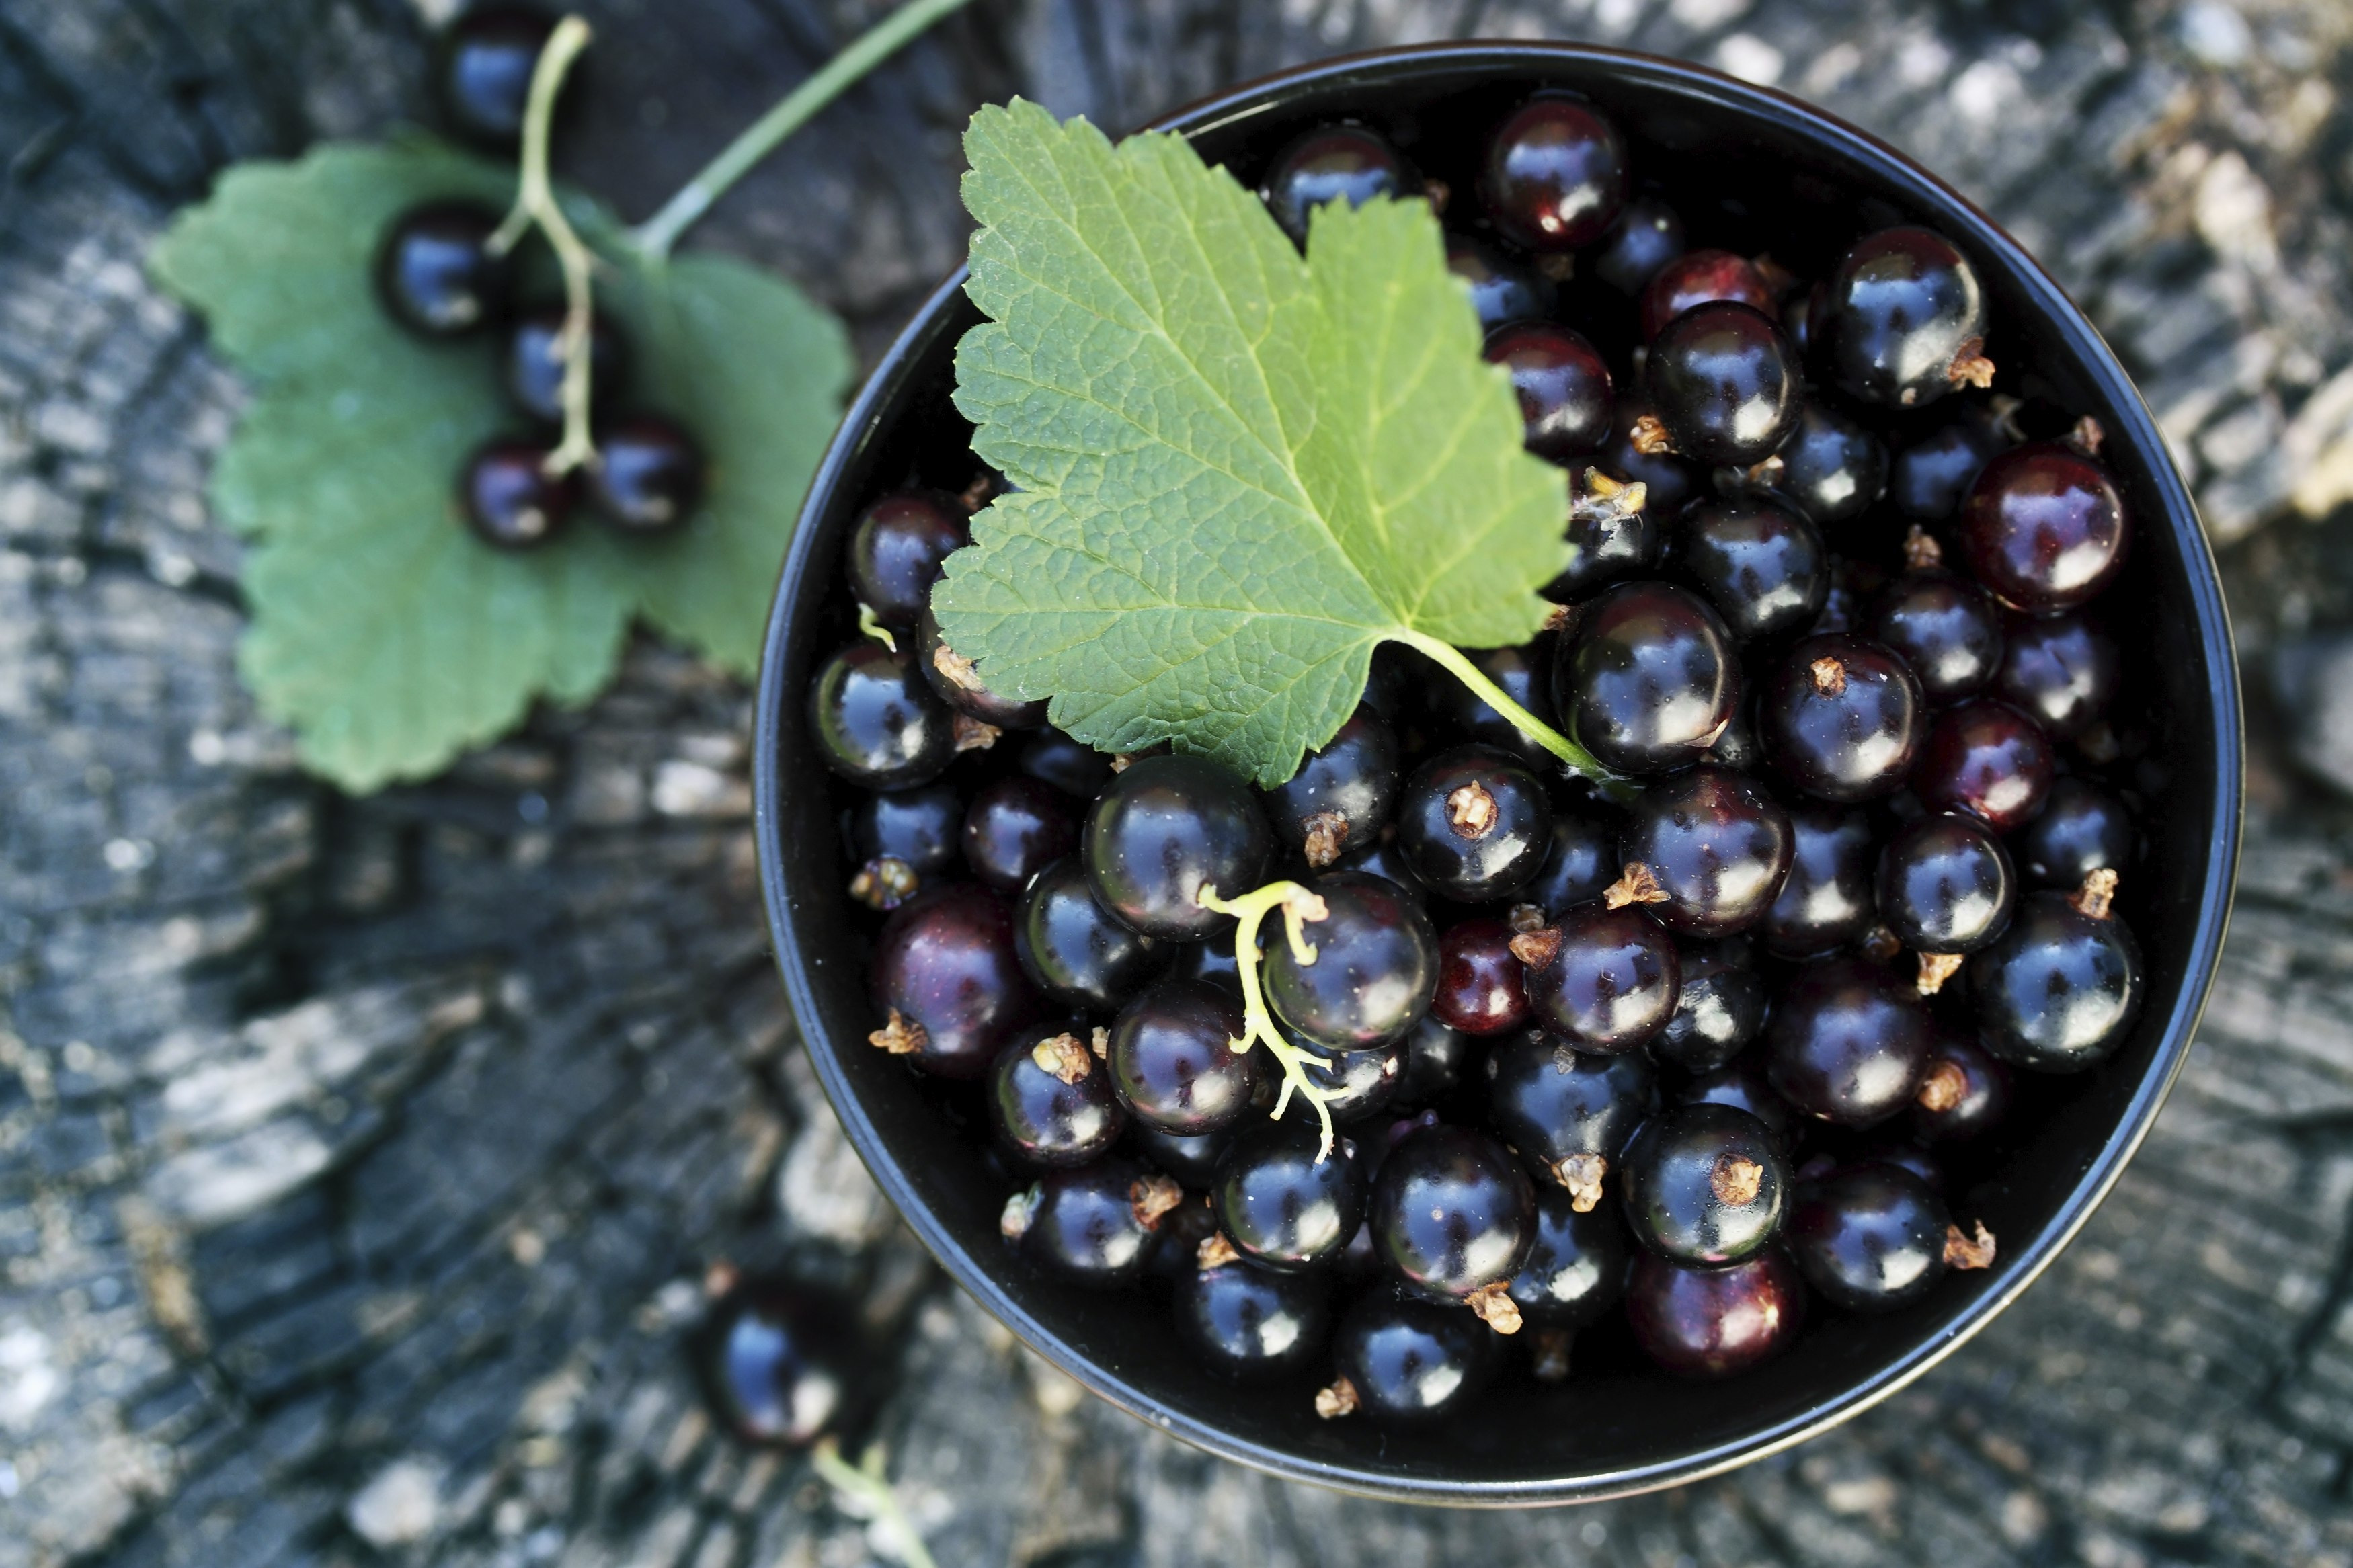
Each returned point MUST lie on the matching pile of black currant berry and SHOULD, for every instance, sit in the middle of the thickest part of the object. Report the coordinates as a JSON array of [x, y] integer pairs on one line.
[[1708, 1055], [440, 274]]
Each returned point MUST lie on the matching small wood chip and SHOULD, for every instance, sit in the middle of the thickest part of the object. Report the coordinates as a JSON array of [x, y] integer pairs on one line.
[[1492, 1305], [1326, 835], [958, 670], [1151, 1198], [884, 883], [1649, 436], [1471, 812], [901, 1035], [1215, 1251], [1921, 551], [1552, 1355], [1536, 948], [1559, 266], [1101, 1040], [1013, 1220], [1830, 676], [1065, 1056], [2087, 437], [1735, 1180], [971, 735], [1337, 1401], [1968, 1251], [1525, 918], [1582, 1174], [1970, 368], [1637, 886], [2099, 890], [1936, 968], [1944, 1087], [1881, 944]]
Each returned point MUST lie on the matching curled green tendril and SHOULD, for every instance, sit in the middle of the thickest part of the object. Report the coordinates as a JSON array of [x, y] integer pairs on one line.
[[1298, 905], [874, 628]]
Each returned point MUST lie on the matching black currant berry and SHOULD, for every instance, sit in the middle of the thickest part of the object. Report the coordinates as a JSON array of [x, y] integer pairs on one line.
[[1171, 1060], [1580, 865], [1828, 899], [1554, 174], [1986, 758], [1567, 1112], [1050, 1099], [1964, 1095], [2057, 993], [1604, 980], [1563, 385], [1072, 766], [1831, 467], [487, 56], [876, 722], [1376, 966], [1435, 1055], [1384, 857], [779, 1365], [1473, 824], [1338, 163], [1715, 844], [508, 497], [1277, 1204], [1870, 1238], [1929, 477], [2081, 829], [1704, 1184], [1166, 829], [1702, 277], [435, 273], [1740, 1084], [1646, 237], [1842, 718], [2043, 527], [1848, 1042], [1246, 1321], [918, 829], [1089, 1226], [1762, 564], [896, 551], [1406, 1360], [648, 477], [1945, 884], [948, 981], [1724, 385], [1946, 628], [1575, 1266], [1076, 950], [1501, 291], [1715, 1322], [2061, 670], [1452, 1211], [535, 363], [1191, 1159], [1479, 978], [1903, 321], [1650, 679], [1016, 827], [1719, 1008], [1341, 795]]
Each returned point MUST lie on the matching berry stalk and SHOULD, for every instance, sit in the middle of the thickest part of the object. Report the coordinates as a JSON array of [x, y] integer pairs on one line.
[[655, 236], [1298, 905], [1573, 757]]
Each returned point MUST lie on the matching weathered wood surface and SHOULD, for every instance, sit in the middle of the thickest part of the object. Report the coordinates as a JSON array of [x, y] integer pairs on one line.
[[360, 1160]]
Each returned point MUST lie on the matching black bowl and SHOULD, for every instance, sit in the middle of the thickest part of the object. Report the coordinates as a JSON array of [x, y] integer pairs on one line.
[[1748, 165]]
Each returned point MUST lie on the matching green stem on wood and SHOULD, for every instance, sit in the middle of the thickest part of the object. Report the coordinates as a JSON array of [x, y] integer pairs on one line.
[[1573, 757], [655, 236], [1298, 905]]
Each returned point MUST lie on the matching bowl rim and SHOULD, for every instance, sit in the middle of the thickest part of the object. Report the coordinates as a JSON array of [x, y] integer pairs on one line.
[[2137, 429]]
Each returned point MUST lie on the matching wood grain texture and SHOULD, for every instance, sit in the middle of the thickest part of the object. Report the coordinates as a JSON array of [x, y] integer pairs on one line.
[[360, 1161]]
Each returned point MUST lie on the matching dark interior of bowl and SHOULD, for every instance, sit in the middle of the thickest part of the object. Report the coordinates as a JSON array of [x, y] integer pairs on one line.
[[1753, 171]]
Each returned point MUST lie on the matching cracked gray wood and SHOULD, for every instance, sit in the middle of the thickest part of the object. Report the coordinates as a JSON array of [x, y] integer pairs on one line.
[[360, 1160]]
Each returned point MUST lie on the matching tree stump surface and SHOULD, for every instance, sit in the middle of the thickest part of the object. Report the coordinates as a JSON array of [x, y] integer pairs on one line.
[[361, 1160]]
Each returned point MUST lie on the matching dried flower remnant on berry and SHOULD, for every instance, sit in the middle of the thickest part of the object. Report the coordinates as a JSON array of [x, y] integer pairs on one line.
[[900, 1036], [1013, 1220], [1325, 837], [1064, 1056], [1492, 1305], [1551, 1364], [956, 668], [1649, 436], [1970, 368], [1944, 1088], [1471, 812], [1101, 1040], [971, 735], [1582, 1174], [1936, 968], [1151, 1198], [1215, 1251], [1339, 1400], [1881, 944], [1734, 1180], [1536, 948], [1598, 497], [884, 883], [1969, 1251], [1830, 676], [2093, 898], [2087, 437], [1921, 551], [1524, 918], [1637, 886]]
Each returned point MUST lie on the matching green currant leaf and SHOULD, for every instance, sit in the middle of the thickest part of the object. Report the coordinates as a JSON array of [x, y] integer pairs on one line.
[[1238, 472], [383, 632]]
